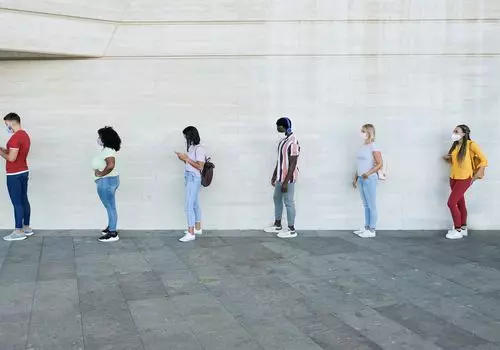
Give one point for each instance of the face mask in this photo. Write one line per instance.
(99, 142)
(456, 137)
(364, 135)
(10, 130)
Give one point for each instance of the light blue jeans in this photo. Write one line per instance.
(288, 199)
(106, 189)
(368, 192)
(193, 210)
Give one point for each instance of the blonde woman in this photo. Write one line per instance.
(368, 163)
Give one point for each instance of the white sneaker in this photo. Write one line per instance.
(287, 234)
(196, 232)
(273, 229)
(367, 234)
(28, 232)
(358, 232)
(454, 234)
(465, 232)
(15, 236)
(188, 238)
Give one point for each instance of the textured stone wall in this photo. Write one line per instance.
(413, 68)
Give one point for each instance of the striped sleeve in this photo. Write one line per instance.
(295, 148)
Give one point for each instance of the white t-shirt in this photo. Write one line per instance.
(364, 158)
(197, 154)
(99, 162)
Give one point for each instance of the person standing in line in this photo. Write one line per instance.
(284, 179)
(462, 156)
(194, 161)
(107, 178)
(369, 162)
(16, 155)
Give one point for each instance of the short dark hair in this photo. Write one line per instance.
(110, 138)
(12, 117)
(192, 136)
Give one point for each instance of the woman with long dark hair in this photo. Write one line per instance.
(467, 165)
(107, 178)
(194, 161)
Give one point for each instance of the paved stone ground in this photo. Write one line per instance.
(247, 290)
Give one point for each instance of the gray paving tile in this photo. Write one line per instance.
(14, 331)
(56, 320)
(56, 270)
(178, 340)
(383, 331)
(325, 246)
(125, 263)
(485, 303)
(110, 328)
(98, 265)
(324, 290)
(444, 334)
(143, 285)
(16, 298)
(330, 333)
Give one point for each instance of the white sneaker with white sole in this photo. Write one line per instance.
(454, 234)
(367, 234)
(273, 229)
(358, 232)
(196, 232)
(187, 238)
(287, 234)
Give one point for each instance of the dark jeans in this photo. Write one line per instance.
(18, 192)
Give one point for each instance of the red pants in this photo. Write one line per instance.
(456, 202)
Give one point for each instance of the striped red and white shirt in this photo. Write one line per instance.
(289, 146)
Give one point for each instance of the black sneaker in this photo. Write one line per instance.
(106, 230)
(109, 237)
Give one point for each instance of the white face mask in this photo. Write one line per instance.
(456, 137)
(99, 142)
(364, 135)
(9, 129)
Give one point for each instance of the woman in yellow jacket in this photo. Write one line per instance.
(467, 165)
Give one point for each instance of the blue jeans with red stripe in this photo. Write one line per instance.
(17, 186)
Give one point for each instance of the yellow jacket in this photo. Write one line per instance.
(465, 170)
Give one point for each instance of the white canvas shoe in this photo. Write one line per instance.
(196, 232)
(358, 232)
(187, 238)
(273, 229)
(454, 234)
(287, 233)
(368, 234)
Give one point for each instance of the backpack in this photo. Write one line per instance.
(207, 174)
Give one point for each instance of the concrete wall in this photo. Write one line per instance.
(414, 69)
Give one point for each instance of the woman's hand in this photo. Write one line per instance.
(182, 156)
(365, 176)
(447, 157)
(355, 183)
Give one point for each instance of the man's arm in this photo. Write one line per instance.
(9, 155)
(275, 175)
(292, 161)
